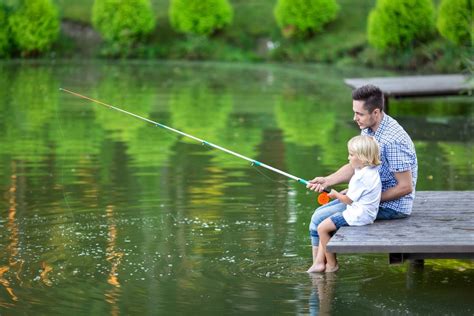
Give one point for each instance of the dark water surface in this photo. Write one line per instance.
(105, 214)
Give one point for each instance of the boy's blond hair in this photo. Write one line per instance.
(366, 149)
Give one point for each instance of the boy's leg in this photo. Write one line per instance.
(319, 264)
(324, 230)
(319, 253)
(320, 214)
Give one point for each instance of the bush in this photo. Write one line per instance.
(454, 22)
(4, 34)
(399, 24)
(34, 26)
(302, 18)
(123, 22)
(201, 17)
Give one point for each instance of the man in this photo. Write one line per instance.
(398, 171)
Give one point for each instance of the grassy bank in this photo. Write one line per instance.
(254, 36)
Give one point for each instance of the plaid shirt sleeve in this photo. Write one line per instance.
(399, 157)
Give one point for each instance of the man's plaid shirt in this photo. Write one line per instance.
(397, 155)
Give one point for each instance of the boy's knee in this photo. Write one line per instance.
(322, 227)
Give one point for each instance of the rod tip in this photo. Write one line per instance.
(61, 89)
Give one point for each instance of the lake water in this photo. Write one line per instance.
(105, 214)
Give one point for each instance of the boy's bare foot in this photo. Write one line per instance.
(331, 269)
(317, 267)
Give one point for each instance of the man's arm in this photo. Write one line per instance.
(404, 186)
(343, 175)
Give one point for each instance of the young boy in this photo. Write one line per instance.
(362, 199)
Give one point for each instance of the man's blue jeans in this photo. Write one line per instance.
(320, 214)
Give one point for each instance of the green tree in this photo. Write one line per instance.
(4, 34)
(34, 26)
(455, 21)
(304, 17)
(399, 24)
(122, 23)
(201, 17)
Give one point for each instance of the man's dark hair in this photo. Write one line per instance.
(371, 95)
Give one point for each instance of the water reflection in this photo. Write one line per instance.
(102, 208)
(322, 293)
(14, 263)
(114, 257)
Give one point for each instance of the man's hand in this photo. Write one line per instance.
(318, 184)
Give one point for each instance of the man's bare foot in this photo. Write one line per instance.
(317, 267)
(330, 269)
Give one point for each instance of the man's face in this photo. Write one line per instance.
(362, 117)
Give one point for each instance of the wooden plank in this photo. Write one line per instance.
(441, 222)
(407, 86)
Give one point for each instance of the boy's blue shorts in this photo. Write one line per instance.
(338, 220)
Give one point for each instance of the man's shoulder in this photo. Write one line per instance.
(393, 132)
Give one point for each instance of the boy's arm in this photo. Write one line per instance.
(341, 197)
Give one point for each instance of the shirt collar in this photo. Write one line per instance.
(379, 130)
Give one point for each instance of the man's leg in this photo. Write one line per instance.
(387, 213)
(320, 214)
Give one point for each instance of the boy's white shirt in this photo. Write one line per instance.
(365, 190)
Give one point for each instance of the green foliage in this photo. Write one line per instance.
(76, 10)
(399, 24)
(34, 26)
(123, 22)
(455, 21)
(304, 17)
(4, 34)
(200, 111)
(202, 17)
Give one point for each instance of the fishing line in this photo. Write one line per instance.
(203, 142)
(61, 133)
(265, 175)
(270, 178)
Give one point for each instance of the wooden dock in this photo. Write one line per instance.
(416, 86)
(440, 226)
(412, 86)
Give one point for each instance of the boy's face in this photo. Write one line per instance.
(362, 117)
(355, 162)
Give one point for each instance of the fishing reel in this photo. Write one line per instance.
(323, 197)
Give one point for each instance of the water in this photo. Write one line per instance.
(105, 214)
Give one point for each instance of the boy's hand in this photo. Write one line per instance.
(333, 194)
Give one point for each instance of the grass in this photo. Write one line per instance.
(75, 10)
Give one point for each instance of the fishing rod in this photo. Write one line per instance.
(321, 198)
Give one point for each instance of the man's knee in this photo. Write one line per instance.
(317, 218)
